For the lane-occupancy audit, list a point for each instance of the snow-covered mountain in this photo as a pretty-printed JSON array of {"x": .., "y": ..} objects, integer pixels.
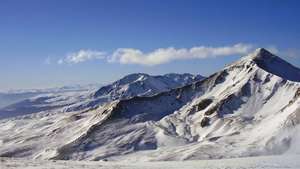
[
  {"x": 250, "y": 108},
  {"x": 141, "y": 84},
  {"x": 10, "y": 97},
  {"x": 71, "y": 98},
  {"x": 20, "y": 102}
]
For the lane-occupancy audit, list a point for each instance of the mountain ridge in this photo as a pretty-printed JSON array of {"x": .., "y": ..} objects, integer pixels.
[
  {"x": 239, "y": 111},
  {"x": 124, "y": 88},
  {"x": 273, "y": 64}
]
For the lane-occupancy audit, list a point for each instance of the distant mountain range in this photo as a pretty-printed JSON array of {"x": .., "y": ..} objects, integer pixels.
[
  {"x": 249, "y": 108},
  {"x": 9, "y": 97},
  {"x": 78, "y": 97}
]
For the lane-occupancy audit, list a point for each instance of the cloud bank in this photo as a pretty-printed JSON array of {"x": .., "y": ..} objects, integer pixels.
[
  {"x": 82, "y": 56},
  {"x": 166, "y": 55},
  {"x": 158, "y": 56}
]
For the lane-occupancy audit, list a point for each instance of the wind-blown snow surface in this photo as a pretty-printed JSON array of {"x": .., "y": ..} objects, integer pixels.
[
  {"x": 244, "y": 110},
  {"x": 270, "y": 162},
  {"x": 85, "y": 97}
]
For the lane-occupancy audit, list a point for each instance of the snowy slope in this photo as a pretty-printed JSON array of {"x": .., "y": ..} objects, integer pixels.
[
  {"x": 270, "y": 162},
  {"x": 141, "y": 84},
  {"x": 71, "y": 98},
  {"x": 247, "y": 109}
]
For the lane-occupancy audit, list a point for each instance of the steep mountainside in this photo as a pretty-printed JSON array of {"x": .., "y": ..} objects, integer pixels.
[{"x": 249, "y": 108}]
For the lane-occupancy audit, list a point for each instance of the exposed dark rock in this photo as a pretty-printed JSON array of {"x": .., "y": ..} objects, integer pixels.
[
  {"x": 267, "y": 79},
  {"x": 212, "y": 110},
  {"x": 203, "y": 104},
  {"x": 205, "y": 122},
  {"x": 214, "y": 138},
  {"x": 297, "y": 94},
  {"x": 221, "y": 77},
  {"x": 229, "y": 105}
]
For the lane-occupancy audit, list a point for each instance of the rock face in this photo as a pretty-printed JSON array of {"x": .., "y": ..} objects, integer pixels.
[
  {"x": 205, "y": 122},
  {"x": 247, "y": 109}
]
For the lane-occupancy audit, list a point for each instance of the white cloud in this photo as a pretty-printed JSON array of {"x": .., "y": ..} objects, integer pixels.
[
  {"x": 165, "y": 55},
  {"x": 82, "y": 56},
  {"x": 158, "y": 56}
]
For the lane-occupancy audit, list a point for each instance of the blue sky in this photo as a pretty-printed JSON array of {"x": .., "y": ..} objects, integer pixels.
[{"x": 35, "y": 35}]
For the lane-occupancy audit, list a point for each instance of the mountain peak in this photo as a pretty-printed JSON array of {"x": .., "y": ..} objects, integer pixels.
[
  {"x": 141, "y": 84},
  {"x": 274, "y": 64},
  {"x": 261, "y": 54},
  {"x": 263, "y": 51}
]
